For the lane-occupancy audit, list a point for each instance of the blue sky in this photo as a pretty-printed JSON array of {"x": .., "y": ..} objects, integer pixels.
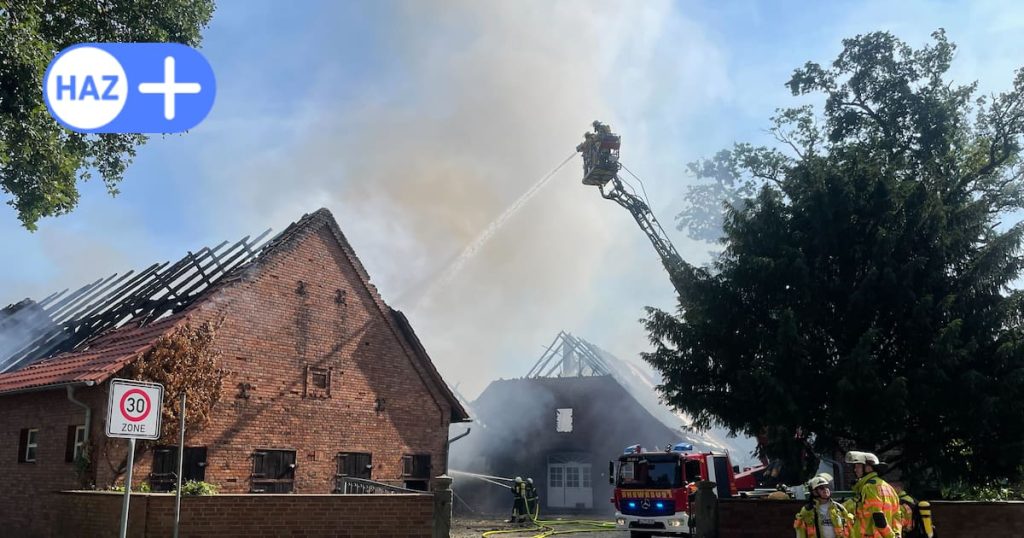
[{"x": 418, "y": 123}]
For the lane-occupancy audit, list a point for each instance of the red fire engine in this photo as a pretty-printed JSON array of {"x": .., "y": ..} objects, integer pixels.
[{"x": 654, "y": 489}]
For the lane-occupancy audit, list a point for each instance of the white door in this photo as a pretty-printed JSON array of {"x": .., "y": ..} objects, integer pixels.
[
  {"x": 556, "y": 485},
  {"x": 569, "y": 485}
]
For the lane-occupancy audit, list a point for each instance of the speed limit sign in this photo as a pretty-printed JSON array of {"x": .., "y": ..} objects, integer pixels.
[{"x": 134, "y": 409}]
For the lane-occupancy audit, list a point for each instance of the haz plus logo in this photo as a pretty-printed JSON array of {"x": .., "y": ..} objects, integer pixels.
[{"x": 129, "y": 88}]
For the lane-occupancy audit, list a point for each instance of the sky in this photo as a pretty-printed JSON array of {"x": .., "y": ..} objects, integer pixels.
[{"x": 419, "y": 123}]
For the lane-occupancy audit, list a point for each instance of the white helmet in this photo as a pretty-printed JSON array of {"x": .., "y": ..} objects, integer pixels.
[
  {"x": 519, "y": 479},
  {"x": 530, "y": 480},
  {"x": 861, "y": 457},
  {"x": 822, "y": 479}
]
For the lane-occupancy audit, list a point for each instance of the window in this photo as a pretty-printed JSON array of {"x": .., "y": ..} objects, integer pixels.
[
  {"x": 585, "y": 476},
  {"x": 273, "y": 471},
  {"x": 355, "y": 464},
  {"x": 555, "y": 476},
  {"x": 318, "y": 382},
  {"x": 164, "y": 476},
  {"x": 75, "y": 445},
  {"x": 563, "y": 420},
  {"x": 27, "y": 445},
  {"x": 416, "y": 470},
  {"x": 572, "y": 476}
]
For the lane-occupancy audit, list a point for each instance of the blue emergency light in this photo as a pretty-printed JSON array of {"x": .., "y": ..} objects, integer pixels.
[
  {"x": 633, "y": 449},
  {"x": 659, "y": 505},
  {"x": 682, "y": 447},
  {"x": 632, "y": 504}
]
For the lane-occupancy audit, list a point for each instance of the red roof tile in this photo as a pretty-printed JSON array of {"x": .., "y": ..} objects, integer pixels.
[{"x": 97, "y": 363}]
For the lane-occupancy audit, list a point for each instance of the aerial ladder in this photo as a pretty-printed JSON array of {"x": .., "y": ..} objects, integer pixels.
[{"x": 601, "y": 167}]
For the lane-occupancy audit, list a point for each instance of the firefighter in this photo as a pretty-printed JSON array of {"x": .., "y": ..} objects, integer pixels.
[
  {"x": 519, "y": 512},
  {"x": 908, "y": 507},
  {"x": 878, "y": 507},
  {"x": 822, "y": 517},
  {"x": 531, "y": 499}
]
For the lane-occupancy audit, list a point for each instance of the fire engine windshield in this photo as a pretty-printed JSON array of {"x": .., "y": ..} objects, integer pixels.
[{"x": 648, "y": 473}]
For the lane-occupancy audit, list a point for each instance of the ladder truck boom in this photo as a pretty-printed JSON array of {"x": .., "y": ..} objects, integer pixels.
[{"x": 601, "y": 167}]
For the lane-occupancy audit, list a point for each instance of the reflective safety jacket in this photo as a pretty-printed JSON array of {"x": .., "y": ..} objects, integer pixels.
[
  {"x": 807, "y": 524},
  {"x": 878, "y": 508},
  {"x": 907, "y": 507}
]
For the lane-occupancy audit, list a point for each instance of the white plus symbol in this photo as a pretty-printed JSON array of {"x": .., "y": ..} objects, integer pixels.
[{"x": 169, "y": 87}]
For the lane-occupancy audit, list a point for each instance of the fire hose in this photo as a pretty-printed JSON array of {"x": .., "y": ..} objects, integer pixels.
[{"x": 547, "y": 527}]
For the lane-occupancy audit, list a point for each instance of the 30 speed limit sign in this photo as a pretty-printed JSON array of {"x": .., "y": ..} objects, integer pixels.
[{"x": 134, "y": 409}]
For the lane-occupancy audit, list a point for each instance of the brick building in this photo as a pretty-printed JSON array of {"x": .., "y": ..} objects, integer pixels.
[
  {"x": 323, "y": 379},
  {"x": 576, "y": 409}
]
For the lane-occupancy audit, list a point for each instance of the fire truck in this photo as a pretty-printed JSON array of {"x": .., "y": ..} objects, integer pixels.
[{"x": 654, "y": 490}]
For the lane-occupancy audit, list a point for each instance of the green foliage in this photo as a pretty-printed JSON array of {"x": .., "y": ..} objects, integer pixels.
[
  {"x": 195, "y": 487},
  {"x": 40, "y": 161},
  {"x": 862, "y": 296},
  {"x": 143, "y": 488},
  {"x": 992, "y": 491}
]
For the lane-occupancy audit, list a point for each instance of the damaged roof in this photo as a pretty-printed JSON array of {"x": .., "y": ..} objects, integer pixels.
[{"x": 87, "y": 336}]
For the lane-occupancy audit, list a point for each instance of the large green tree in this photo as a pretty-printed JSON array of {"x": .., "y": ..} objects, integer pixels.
[
  {"x": 863, "y": 295},
  {"x": 40, "y": 161}
]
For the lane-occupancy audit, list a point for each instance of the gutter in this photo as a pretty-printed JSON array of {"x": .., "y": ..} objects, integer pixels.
[
  {"x": 54, "y": 386},
  {"x": 88, "y": 410},
  {"x": 448, "y": 446}
]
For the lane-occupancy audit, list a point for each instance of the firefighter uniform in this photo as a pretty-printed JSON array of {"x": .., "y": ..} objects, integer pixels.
[
  {"x": 878, "y": 508},
  {"x": 907, "y": 509},
  {"x": 808, "y": 523}
]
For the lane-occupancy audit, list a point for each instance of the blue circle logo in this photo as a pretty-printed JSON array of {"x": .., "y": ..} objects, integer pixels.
[{"x": 129, "y": 88}]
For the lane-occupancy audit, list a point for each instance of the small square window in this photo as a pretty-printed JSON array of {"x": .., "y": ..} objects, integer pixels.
[
  {"x": 563, "y": 420},
  {"x": 555, "y": 476},
  {"x": 318, "y": 382}
]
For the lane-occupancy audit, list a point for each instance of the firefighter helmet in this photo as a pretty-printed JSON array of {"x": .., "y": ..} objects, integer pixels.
[
  {"x": 862, "y": 457},
  {"x": 821, "y": 479}
]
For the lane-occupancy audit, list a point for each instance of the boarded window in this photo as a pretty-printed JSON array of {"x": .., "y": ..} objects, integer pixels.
[
  {"x": 318, "y": 382},
  {"x": 273, "y": 471},
  {"x": 355, "y": 464},
  {"x": 563, "y": 420},
  {"x": 164, "y": 476},
  {"x": 416, "y": 471}
]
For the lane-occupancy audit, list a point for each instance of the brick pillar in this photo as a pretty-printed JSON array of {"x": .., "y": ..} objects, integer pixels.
[
  {"x": 442, "y": 489},
  {"x": 705, "y": 510}
]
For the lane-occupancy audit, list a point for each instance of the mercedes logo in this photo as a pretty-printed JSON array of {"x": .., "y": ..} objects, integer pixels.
[{"x": 646, "y": 505}]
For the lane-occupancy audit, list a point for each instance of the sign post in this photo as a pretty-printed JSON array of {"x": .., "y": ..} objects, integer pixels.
[{"x": 133, "y": 412}]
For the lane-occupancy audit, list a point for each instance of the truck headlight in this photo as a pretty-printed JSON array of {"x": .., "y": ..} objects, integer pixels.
[
  {"x": 620, "y": 521},
  {"x": 675, "y": 523}
]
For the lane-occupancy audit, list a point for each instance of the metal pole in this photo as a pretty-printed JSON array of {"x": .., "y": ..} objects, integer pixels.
[
  {"x": 127, "y": 488},
  {"x": 181, "y": 459}
]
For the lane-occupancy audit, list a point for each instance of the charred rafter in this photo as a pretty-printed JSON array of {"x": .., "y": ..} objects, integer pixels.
[{"x": 32, "y": 331}]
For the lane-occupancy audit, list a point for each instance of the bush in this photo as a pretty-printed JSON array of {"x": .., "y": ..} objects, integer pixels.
[
  {"x": 143, "y": 488},
  {"x": 993, "y": 491},
  {"x": 193, "y": 487}
]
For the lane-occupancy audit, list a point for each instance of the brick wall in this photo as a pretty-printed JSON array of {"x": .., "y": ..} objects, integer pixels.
[
  {"x": 28, "y": 490},
  {"x": 97, "y": 514},
  {"x": 774, "y": 519},
  {"x": 273, "y": 329}
]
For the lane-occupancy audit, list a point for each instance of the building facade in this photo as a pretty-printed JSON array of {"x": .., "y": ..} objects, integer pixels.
[{"x": 323, "y": 380}]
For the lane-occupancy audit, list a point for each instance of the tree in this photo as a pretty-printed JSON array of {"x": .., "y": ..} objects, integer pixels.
[
  {"x": 183, "y": 361},
  {"x": 40, "y": 161},
  {"x": 863, "y": 294}
]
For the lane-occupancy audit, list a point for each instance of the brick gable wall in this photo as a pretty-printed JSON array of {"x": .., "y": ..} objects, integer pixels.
[{"x": 272, "y": 331}]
